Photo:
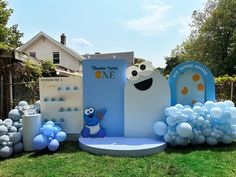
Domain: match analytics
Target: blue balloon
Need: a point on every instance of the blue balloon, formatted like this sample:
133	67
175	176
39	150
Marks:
184	129
40	142
160	128
53	145
61	136
216	112
48	130
56	129
221	105
229	103
18	147
49	123
227	139
22	103
171	121
209	105
187	111
211	141
6	151
172	111
197	109
14	114
179	106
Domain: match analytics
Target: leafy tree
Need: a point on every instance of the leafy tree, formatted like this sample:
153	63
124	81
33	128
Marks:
48	69
213	37
9	36
171	62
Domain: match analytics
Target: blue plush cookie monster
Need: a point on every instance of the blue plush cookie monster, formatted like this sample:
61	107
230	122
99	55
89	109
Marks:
92	126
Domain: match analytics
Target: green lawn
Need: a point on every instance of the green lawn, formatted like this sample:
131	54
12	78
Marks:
70	161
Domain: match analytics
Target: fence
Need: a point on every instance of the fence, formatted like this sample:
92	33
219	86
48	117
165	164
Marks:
11	94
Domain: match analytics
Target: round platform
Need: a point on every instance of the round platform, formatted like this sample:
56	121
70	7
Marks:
121	146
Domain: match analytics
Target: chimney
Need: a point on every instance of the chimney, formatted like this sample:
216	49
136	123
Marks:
63	39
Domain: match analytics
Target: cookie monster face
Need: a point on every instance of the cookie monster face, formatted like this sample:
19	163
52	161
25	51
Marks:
90	117
141	76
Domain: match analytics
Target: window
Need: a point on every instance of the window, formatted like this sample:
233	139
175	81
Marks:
32	54
56	58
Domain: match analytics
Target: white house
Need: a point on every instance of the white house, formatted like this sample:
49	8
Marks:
129	56
43	47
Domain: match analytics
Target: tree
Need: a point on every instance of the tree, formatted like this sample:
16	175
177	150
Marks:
9	36
48	69
171	62
213	37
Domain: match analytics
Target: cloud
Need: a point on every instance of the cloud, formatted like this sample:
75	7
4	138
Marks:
158	18
184	29
154	22
82	42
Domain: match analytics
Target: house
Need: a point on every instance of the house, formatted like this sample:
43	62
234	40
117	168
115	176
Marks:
129	56
44	47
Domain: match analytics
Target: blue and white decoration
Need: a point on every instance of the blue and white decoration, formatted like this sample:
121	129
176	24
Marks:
211	123
50	136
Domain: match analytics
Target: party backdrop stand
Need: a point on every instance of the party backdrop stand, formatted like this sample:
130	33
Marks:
132	107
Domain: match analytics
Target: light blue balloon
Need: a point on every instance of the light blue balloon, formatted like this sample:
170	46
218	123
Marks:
198	104
18	147
14	114
37	104
216	112
201	139
15	137
197	109
61	136
3	130
172	111
233	112
22	103
206	132
209	105
211	141
187	111
171	121
221	105
200	121
227	139
179	106
40	142
53	145
168	138
57	129
179	140
184	129
48	130
8	121
6	152
229	103
4	138
49	123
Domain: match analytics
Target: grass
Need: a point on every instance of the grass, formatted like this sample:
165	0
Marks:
70	161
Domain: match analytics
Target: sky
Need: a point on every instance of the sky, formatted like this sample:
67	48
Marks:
150	28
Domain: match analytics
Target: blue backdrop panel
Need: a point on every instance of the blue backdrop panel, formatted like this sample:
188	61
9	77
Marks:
191	82
103	85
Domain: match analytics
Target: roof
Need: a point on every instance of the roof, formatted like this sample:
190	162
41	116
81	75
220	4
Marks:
65	48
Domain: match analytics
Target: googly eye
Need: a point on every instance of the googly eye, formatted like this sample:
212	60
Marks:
146	68
132	73
86	112
91	110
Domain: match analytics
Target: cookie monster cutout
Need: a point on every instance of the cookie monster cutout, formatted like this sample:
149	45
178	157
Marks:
92	126
147	94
